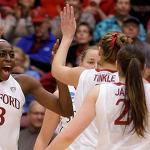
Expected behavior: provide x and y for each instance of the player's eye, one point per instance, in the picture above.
(2, 54)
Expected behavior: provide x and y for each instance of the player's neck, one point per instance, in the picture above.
(121, 79)
(108, 66)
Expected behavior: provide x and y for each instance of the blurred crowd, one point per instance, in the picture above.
(32, 27)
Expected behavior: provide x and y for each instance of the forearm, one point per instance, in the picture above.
(59, 144)
(40, 144)
(60, 57)
(50, 123)
(65, 101)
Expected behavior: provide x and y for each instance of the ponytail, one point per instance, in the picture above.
(136, 97)
(132, 61)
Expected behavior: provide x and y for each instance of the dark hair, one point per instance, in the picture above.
(111, 44)
(87, 25)
(131, 61)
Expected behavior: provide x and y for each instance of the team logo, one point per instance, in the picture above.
(13, 89)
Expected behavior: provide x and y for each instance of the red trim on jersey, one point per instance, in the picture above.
(109, 70)
(119, 83)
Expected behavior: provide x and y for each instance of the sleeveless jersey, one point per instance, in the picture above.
(11, 103)
(112, 121)
(88, 79)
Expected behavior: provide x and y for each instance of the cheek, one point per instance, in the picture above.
(13, 63)
(125, 30)
(88, 65)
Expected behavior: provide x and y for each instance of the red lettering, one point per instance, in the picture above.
(2, 119)
(119, 120)
(5, 99)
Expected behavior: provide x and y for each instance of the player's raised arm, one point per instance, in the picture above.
(59, 70)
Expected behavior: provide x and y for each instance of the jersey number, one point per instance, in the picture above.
(2, 113)
(119, 120)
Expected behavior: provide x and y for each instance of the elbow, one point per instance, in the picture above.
(55, 71)
(67, 139)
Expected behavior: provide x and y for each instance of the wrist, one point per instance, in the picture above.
(67, 38)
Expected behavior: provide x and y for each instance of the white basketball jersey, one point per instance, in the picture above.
(111, 119)
(11, 102)
(88, 79)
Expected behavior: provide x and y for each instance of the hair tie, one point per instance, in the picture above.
(113, 42)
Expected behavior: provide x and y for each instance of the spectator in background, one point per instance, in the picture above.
(141, 9)
(18, 21)
(101, 9)
(80, 16)
(28, 136)
(148, 31)
(10, 3)
(131, 27)
(53, 7)
(83, 38)
(39, 45)
(22, 66)
(122, 8)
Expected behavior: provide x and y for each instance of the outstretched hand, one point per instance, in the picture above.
(68, 23)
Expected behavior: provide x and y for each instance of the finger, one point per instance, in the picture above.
(72, 12)
(68, 11)
(64, 12)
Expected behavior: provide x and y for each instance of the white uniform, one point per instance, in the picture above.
(11, 102)
(111, 119)
(88, 79)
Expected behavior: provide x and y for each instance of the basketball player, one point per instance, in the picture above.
(122, 109)
(84, 80)
(12, 90)
(89, 59)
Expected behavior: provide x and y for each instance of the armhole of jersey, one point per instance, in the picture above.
(82, 76)
(21, 94)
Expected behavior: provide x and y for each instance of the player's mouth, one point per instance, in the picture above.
(6, 72)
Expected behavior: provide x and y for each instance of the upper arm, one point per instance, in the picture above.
(61, 104)
(32, 86)
(68, 75)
